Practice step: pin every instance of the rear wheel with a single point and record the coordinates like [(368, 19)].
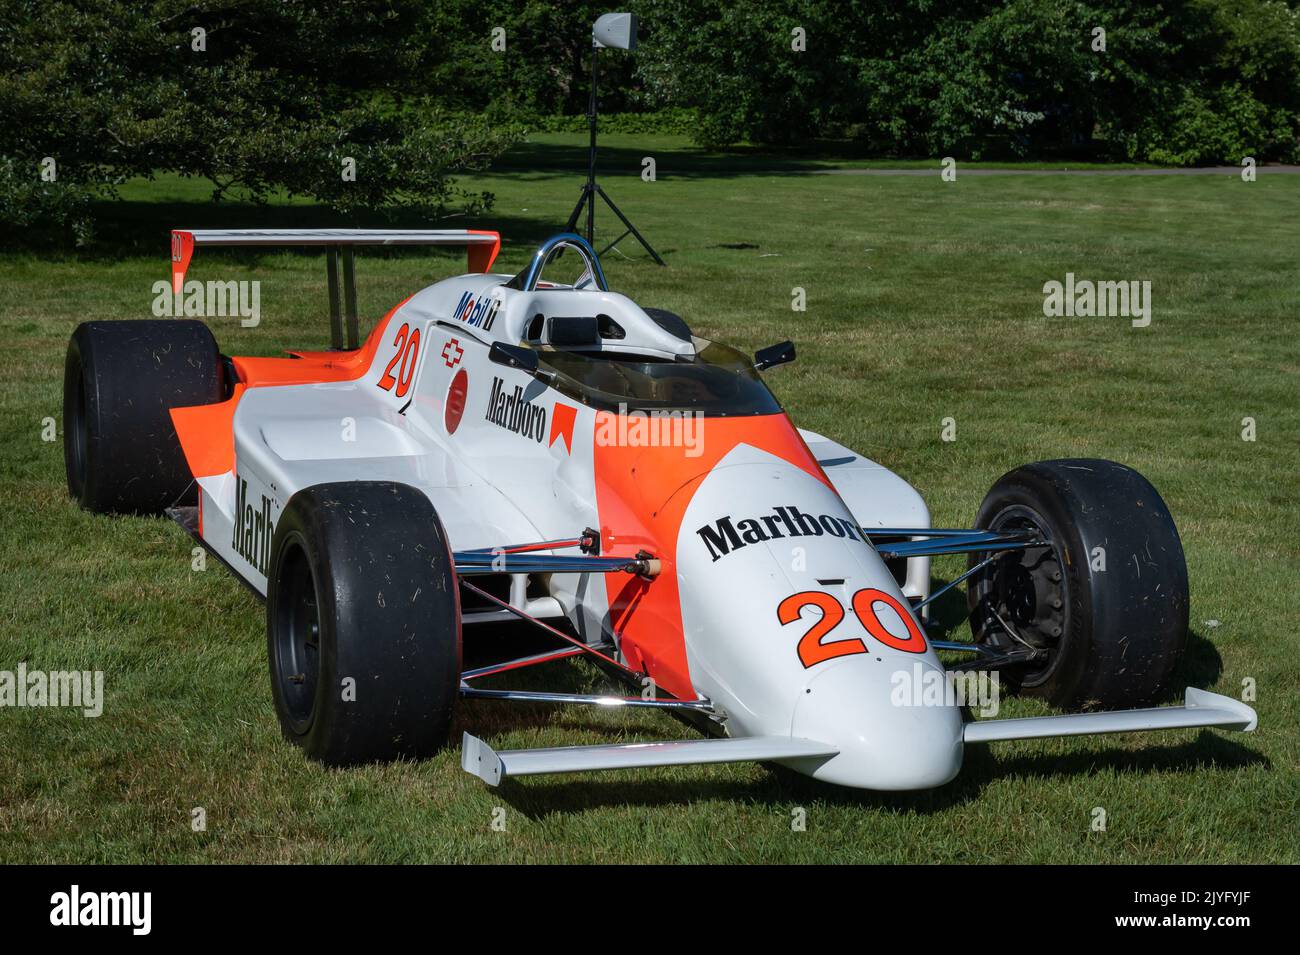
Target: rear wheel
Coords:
[(1103, 604), (363, 623), (120, 382)]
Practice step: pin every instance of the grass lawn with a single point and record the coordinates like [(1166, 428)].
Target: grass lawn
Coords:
[(924, 302)]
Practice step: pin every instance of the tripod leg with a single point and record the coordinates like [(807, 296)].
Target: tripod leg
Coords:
[(577, 210), (630, 227)]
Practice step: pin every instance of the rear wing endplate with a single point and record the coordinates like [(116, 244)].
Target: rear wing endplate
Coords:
[(338, 243)]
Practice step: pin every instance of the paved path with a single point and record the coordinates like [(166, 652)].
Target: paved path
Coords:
[(1192, 171)]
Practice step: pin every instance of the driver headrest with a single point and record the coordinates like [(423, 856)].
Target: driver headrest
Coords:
[(568, 331)]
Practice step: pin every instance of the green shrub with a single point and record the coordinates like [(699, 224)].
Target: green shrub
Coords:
[(1221, 126), (29, 204)]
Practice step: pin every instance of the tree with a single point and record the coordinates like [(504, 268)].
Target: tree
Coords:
[(255, 96), (1184, 81)]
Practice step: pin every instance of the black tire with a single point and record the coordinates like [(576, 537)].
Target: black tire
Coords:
[(120, 382), (368, 564), (1108, 638)]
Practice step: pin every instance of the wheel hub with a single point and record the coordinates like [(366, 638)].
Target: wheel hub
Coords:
[(297, 637), (1024, 599)]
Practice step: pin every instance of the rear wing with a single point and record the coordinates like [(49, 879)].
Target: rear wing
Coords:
[(338, 243)]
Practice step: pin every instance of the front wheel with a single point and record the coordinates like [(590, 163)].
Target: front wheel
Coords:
[(1102, 602), (363, 623)]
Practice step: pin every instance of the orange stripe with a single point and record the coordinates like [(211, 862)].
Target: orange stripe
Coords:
[(313, 367), (642, 494), (182, 252), (207, 435), (481, 257)]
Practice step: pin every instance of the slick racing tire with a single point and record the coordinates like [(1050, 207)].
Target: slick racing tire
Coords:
[(363, 623), (120, 382), (1104, 605)]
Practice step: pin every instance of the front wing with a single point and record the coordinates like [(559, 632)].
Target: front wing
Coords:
[(1200, 708)]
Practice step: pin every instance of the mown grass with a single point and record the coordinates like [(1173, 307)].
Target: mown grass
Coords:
[(924, 302)]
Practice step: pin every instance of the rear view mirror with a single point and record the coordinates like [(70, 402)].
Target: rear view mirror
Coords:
[(773, 355), (513, 356)]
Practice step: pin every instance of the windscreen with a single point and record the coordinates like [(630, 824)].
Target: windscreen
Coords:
[(718, 381)]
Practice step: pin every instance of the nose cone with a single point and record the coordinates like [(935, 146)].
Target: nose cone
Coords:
[(887, 739), (771, 565)]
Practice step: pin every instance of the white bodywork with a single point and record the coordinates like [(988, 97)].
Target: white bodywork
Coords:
[(507, 459), (493, 486)]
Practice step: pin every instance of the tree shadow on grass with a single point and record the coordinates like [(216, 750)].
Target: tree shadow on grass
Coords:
[(559, 160), (622, 155), (133, 228)]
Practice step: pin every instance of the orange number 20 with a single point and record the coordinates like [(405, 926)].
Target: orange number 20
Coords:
[(407, 343), (811, 648)]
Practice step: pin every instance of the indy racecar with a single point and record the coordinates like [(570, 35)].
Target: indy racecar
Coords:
[(501, 447)]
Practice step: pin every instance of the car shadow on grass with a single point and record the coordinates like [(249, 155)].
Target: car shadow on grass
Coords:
[(1200, 667), (783, 788), (1209, 750), (779, 787)]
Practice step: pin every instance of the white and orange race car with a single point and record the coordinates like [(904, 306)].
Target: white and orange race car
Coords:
[(502, 446)]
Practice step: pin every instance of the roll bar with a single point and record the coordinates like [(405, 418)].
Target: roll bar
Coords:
[(526, 281)]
